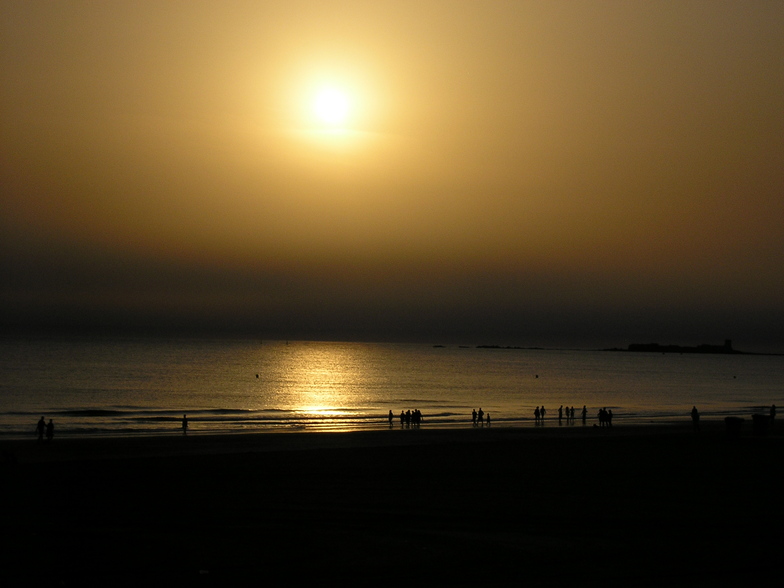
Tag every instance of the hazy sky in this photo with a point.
(532, 173)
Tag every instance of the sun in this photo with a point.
(331, 106)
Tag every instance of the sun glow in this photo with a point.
(331, 106)
(330, 116)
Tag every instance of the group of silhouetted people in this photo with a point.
(479, 418)
(568, 412)
(605, 417)
(44, 428)
(408, 418)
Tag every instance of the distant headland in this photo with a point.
(707, 348)
(725, 349)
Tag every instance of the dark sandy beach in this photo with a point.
(634, 506)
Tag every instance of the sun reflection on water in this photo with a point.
(322, 411)
(328, 381)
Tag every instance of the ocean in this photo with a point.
(143, 386)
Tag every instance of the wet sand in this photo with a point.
(551, 506)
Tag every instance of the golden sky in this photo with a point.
(587, 173)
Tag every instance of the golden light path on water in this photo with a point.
(321, 385)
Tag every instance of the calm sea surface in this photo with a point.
(128, 386)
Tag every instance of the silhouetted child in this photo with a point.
(50, 430)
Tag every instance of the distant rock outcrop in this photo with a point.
(704, 348)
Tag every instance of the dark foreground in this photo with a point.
(539, 507)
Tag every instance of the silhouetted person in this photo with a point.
(402, 418)
(480, 417)
(695, 418)
(537, 415)
(571, 414)
(560, 414)
(609, 418)
(487, 418)
(40, 428)
(584, 413)
(184, 424)
(473, 417)
(50, 430)
(542, 412)
(391, 418)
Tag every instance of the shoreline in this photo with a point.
(30, 450)
(64, 433)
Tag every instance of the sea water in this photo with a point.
(136, 386)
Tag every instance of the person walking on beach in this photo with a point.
(695, 418)
(480, 417)
(537, 416)
(50, 431)
(40, 428)
(391, 417)
(184, 424)
(473, 417)
(584, 413)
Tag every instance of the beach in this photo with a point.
(551, 506)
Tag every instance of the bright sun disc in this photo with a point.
(331, 106)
